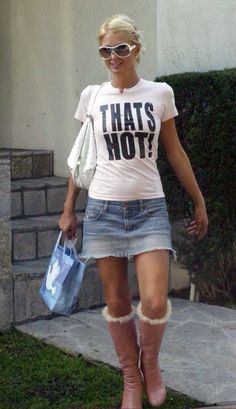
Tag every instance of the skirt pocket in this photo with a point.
(156, 209)
(92, 213)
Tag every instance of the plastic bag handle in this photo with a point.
(58, 240)
(71, 245)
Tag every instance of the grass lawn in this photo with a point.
(34, 375)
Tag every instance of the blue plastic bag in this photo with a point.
(62, 281)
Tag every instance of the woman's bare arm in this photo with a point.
(68, 219)
(181, 165)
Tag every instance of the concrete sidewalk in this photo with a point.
(198, 355)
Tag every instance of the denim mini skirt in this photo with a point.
(125, 228)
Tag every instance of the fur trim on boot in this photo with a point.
(156, 320)
(125, 318)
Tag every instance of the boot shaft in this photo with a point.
(124, 337)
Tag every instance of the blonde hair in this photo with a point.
(121, 22)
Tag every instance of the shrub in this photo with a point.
(206, 127)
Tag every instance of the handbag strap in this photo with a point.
(96, 89)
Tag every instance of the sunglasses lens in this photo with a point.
(121, 50)
(105, 52)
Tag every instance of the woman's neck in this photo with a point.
(122, 82)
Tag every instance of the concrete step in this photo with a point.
(35, 237)
(197, 356)
(41, 196)
(27, 279)
(28, 163)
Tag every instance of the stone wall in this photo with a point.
(6, 286)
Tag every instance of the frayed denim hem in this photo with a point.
(128, 255)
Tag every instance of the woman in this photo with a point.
(126, 211)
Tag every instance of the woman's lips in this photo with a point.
(115, 65)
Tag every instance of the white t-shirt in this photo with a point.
(127, 126)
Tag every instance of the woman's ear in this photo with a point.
(138, 48)
(137, 52)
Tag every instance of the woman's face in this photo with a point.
(118, 64)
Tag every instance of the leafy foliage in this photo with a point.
(207, 129)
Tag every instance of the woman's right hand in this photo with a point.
(68, 224)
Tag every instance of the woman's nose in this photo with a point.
(113, 55)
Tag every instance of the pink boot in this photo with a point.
(124, 336)
(151, 333)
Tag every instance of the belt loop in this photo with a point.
(105, 205)
(141, 205)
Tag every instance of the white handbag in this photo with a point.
(83, 156)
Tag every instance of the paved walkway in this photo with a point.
(198, 355)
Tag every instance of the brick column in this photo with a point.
(6, 298)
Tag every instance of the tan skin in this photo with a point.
(151, 267)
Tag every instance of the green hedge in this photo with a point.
(207, 129)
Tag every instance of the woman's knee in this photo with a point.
(154, 307)
(119, 304)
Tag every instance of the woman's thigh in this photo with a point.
(152, 270)
(114, 278)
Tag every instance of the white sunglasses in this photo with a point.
(121, 50)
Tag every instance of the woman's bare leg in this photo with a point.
(114, 277)
(153, 311)
(119, 315)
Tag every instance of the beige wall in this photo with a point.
(48, 54)
(51, 55)
(195, 35)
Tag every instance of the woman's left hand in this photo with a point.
(199, 225)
